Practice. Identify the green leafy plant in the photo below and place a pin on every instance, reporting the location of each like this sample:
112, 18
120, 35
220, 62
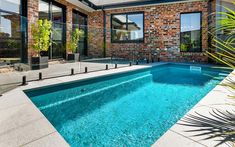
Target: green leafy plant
225, 47
227, 24
219, 123
183, 47
225, 50
41, 32
73, 43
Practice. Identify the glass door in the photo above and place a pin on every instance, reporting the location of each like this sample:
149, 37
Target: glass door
80, 21
13, 26
58, 32
54, 12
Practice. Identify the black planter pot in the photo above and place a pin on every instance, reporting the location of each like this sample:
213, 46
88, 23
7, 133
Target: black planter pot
43, 53
73, 57
39, 62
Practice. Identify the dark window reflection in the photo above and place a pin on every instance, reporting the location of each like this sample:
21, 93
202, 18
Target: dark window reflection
80, 22
54, 12
43, 10
190, 36
128, 27
119, 27
10, 37
135, 26
57, 32
57, 19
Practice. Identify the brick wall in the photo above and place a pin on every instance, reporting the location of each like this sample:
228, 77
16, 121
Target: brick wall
162, 33
32, 18
33, 7
95, 34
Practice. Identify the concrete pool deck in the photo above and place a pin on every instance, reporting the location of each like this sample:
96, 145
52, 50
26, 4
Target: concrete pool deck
22, 124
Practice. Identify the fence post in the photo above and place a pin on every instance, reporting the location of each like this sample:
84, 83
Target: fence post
24, 81
72, 71
39, 76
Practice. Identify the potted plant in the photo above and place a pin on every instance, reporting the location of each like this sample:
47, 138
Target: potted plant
41, 32
73, 45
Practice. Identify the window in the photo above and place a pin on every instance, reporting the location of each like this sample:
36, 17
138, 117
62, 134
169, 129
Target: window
13, 26
80, 21
128, 27
10, 5
43, 10
55, 12
190, 34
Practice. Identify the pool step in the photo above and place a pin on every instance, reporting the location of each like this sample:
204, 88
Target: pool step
196, 68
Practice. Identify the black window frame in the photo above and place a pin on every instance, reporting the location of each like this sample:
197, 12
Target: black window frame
64, 37
23, 12
128, 41
77, 13
200, 50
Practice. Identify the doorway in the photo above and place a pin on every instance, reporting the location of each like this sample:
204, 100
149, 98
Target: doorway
80, 22
55, 12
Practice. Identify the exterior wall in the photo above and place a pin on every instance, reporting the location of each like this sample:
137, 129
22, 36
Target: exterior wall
32, 18
33, 6
161, 32
95, 34
212, 25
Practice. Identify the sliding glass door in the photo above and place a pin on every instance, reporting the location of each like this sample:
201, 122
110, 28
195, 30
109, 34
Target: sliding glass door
13, 26
80, 21
58, 32
56, 13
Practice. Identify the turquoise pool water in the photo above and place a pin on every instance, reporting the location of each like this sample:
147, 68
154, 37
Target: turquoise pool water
128, 109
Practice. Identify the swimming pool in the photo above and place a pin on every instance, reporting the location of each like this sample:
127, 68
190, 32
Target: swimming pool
127, 109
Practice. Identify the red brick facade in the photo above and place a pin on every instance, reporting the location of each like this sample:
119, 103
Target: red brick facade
161, 31
33, 7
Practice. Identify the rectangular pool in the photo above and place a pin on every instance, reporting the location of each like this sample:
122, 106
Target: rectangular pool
127, 109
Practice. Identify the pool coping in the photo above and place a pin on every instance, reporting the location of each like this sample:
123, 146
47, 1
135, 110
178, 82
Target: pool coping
22, 123
180, 135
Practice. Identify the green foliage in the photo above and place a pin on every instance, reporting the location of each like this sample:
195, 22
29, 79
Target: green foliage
183, 47
225, 51
73, 43
41, 32
225, 48
227, 24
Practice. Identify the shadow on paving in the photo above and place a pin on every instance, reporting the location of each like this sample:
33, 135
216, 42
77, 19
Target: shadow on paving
219, 125
8, 87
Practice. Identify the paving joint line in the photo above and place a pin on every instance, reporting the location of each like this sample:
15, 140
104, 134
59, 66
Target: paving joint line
187, 137
38, 139
20, 126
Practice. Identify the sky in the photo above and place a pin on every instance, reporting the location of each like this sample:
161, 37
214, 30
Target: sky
190, 22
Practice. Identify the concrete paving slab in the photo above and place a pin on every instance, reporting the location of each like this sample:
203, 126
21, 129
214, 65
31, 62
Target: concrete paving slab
27, 133
179, 141
52, 140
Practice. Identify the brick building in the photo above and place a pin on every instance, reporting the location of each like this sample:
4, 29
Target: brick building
172, 30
